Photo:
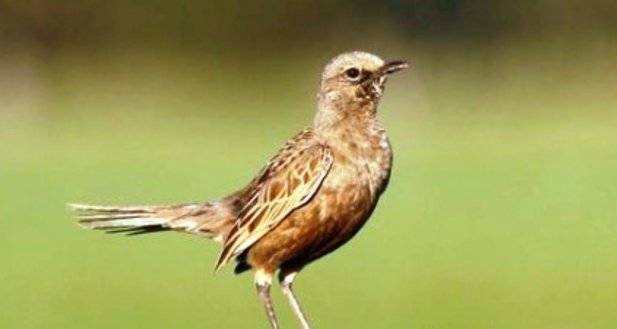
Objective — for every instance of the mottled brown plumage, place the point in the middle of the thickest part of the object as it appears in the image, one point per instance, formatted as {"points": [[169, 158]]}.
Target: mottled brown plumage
{"points": [[312, 197]]}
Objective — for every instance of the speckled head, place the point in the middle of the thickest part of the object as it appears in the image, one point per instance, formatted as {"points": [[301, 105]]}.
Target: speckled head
{"points": [[356, 78]]}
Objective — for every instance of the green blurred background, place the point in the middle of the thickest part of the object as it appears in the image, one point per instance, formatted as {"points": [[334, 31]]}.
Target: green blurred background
{"points": [[502, 208]]}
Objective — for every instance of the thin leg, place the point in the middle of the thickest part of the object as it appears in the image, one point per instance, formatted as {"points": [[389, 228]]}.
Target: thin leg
{"points": [[262, 282], [286, 279]]}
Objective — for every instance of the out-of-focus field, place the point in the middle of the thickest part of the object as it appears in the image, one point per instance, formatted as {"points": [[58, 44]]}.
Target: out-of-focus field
{"points": [[501, 213]]}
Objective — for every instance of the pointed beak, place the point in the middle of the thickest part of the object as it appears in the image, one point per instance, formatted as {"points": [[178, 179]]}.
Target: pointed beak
{"points": [[384, 71], [393, 66]]}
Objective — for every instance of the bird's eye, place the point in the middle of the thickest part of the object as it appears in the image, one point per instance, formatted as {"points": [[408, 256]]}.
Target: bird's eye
{"points": [[352, 73]]}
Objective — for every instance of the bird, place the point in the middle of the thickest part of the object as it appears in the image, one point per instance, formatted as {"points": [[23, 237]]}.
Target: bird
{"points": [[313, 196]]}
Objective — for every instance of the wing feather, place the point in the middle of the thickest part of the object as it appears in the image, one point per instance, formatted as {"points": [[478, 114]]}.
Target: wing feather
{"points": [[288, 184]]}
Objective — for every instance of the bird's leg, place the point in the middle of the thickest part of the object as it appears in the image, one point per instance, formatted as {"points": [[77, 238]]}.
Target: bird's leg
{"points": [[286, 279], [263, 281]]}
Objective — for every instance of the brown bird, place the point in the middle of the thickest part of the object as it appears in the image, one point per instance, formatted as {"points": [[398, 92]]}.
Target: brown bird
{"points": [[313, 196]]}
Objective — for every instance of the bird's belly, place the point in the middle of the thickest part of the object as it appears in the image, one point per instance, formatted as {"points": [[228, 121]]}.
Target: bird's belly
{"points": [[331, 218]]}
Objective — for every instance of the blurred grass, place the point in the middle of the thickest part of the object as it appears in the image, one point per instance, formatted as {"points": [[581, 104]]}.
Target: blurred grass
{"points": [[500, 213]]}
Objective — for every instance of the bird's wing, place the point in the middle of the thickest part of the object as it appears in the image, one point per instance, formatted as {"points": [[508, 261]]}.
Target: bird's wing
{"points": [[288, 182]]}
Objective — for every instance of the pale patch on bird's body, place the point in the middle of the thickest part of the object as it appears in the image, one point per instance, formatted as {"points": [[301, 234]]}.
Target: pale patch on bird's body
{"points": [[370, 152]]}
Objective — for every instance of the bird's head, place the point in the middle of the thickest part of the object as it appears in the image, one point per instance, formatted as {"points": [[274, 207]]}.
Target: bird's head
{"points": [[355, 79]]}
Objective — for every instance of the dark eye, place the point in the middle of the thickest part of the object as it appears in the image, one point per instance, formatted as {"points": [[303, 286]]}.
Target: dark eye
{"points": [[352, 73]]}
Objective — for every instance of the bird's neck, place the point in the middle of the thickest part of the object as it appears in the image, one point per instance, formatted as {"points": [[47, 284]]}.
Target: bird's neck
{"points": [[335, 114], [349, 122]]}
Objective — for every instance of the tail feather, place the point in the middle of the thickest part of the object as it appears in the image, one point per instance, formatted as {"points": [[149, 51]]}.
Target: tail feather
{"points": [[204, 219], [138, 230], [104, 217]]}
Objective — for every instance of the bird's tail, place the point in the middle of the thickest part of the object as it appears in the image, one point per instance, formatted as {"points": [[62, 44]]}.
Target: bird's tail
{"points": [[204, 219]]}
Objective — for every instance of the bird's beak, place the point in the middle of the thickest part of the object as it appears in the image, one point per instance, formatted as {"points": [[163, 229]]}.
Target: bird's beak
{"points": [[380, 75], [391, 67]]}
